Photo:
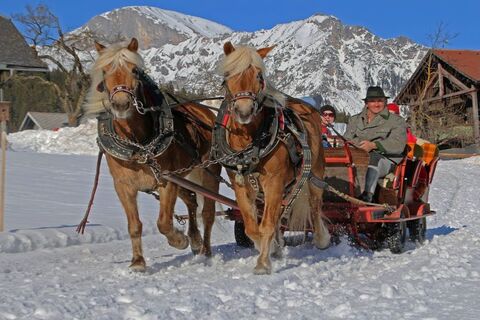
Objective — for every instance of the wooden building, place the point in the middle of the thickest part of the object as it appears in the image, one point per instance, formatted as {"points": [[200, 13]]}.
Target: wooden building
{"points": [[44, 120], [15, 54], [442, 97]]}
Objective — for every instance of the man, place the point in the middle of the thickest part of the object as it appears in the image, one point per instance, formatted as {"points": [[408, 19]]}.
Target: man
{"points": [[380, 133], [328, 115]]}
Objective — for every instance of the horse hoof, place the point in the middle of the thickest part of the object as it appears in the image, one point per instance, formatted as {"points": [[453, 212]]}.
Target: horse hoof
{"points": [[180, 244], [261, 269], [138, 265], [322, 242], [206, 252], [196, 244]]}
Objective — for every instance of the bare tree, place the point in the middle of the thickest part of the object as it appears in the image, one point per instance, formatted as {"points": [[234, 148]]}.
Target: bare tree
{"points": [[64, 51], [441, 37]]}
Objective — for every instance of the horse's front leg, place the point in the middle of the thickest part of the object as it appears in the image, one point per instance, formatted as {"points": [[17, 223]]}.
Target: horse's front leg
{"points": [[248, 208], [268, 227], [128, 198], [168, 195]]}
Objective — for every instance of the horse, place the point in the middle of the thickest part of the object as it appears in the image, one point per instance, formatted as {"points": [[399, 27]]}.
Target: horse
{"points": [[136, 149], [249, 102]]}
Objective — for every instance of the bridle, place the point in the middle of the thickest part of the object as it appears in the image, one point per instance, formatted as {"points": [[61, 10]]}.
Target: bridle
{"points": [[136, 102], [255, 97]]}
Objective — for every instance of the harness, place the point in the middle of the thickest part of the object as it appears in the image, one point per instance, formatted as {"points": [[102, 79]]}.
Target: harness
{"points": [[264, 142], [125, 149], [279, 125]]}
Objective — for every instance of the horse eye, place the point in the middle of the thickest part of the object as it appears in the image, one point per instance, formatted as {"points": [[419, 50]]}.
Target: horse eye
{"points": [[101, 87]]}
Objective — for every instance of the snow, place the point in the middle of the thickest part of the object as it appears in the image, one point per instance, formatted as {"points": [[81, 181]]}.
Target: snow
{"points": [[49, 272], [186, 24]]}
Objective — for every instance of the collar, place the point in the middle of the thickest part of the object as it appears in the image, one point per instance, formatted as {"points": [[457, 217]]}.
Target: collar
{"points": [[385, 114]]}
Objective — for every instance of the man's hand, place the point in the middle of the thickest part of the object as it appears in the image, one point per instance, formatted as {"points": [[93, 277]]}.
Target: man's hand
{"points": [[367, 145]]}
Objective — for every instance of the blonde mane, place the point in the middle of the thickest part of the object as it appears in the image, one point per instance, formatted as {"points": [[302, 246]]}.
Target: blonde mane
{"points": [[240, 60], [117, 55]]}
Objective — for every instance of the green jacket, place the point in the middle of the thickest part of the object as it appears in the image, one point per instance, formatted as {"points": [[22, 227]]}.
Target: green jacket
{"points": [[387, 130]]}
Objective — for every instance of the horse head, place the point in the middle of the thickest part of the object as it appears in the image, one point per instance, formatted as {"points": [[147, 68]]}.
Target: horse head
{"points": [[243, 70], [115, 78]]}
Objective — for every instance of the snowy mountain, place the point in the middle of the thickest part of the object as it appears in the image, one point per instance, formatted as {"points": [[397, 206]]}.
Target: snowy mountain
{"points": [[319, 56], [153, 27]]}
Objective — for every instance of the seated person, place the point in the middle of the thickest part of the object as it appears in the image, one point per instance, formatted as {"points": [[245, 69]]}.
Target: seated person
{"points": [[394, 108], [328, 115], [380, 133]]}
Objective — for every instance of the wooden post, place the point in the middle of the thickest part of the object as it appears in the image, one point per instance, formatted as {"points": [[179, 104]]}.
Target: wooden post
{"points": [[440, 81], [4, 117], [476, 125]]}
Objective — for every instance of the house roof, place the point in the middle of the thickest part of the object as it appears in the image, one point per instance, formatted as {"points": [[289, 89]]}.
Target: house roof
{"points": [[466, 62], [15, 53], [46, 120]]}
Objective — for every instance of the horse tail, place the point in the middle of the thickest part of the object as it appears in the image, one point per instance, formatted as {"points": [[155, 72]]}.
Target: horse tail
{"points": [[301, 217], [196, 176]]}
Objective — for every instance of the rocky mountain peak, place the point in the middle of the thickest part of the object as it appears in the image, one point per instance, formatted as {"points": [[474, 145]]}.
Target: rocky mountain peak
{"points": [[318, 56]]}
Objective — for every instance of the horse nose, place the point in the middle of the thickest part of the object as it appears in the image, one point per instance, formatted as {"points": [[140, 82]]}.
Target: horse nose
{"points": [[121, 101], [244, 107]]}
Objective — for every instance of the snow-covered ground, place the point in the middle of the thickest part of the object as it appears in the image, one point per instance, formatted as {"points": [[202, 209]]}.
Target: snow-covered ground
{"points": [[49, 272]]}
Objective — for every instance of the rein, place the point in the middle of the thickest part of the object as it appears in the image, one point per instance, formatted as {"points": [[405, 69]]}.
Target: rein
{"points": [[81, 226]]}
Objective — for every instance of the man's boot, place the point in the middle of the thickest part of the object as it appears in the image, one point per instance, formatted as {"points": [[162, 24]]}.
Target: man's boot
{"points": [[371, 178]]}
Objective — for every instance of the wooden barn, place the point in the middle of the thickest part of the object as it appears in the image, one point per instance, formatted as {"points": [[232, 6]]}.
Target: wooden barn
{"points": [[15, 54], [442, 97]]}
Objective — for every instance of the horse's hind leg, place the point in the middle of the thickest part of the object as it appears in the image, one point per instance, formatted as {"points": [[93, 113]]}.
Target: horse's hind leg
{"points": [[210, 182], [190, 200], [128, 198], [168, 195]]}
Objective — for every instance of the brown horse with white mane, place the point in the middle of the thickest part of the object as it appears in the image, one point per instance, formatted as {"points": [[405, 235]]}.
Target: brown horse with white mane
{"points": [[250, 105], [140, 134]]}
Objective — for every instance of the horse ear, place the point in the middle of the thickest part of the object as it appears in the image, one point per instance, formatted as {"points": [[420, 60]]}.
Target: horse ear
{"points": [[99, 47], [264, 51], [133, 45], [228, 48]]}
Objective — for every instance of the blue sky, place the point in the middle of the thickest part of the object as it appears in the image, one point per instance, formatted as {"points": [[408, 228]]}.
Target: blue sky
{"points": [[415, 19]]}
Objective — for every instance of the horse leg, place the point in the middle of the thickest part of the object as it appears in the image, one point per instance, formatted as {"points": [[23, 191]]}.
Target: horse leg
{"points": [[194, 235], [321, 236], [128, 198], [277, 243], [269, 225], [168, 195], [210, 182], [248, 209]]}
